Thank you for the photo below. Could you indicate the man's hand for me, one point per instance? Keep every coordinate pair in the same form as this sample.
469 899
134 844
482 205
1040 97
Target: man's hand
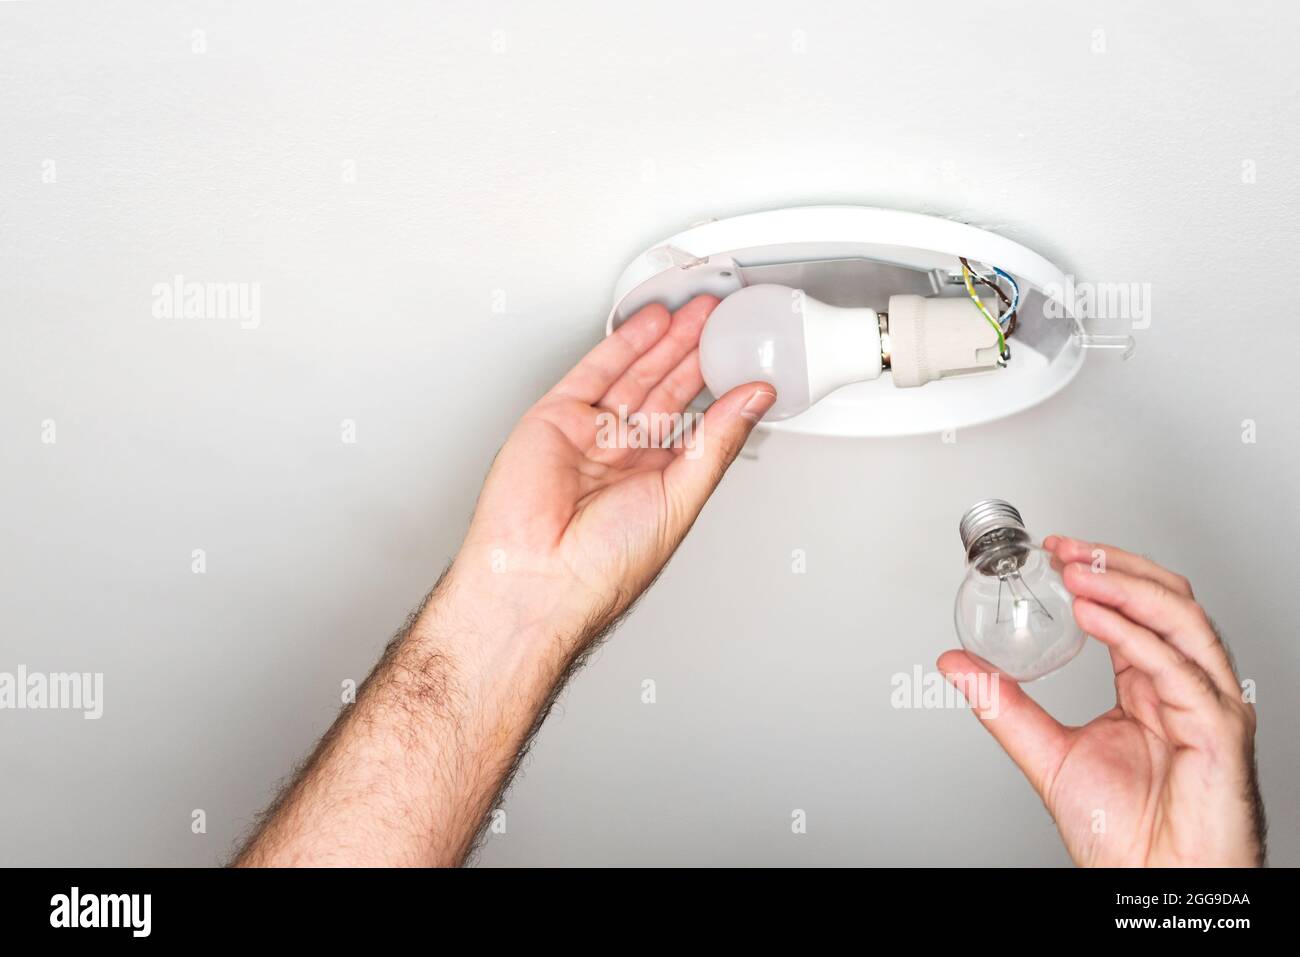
573 523
571 527
1167 776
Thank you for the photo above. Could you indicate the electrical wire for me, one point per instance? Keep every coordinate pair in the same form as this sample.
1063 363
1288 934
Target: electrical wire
1003 351
1013 313
985 280
1005 324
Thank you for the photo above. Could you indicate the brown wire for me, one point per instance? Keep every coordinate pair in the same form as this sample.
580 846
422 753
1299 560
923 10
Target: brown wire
1006 301
992 285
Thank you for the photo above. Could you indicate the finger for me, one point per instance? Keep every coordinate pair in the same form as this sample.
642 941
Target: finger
1172 616
1109 557
1176 679
720 436
1117 660
633 386
1035 740
1066 550
677 389
602 366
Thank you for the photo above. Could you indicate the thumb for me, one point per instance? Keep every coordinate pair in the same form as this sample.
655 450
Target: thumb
1035 740
692 476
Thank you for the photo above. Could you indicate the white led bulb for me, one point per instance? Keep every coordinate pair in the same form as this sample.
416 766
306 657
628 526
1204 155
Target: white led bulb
779 335
808 349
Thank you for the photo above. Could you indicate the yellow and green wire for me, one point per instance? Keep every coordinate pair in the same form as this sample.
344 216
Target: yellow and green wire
1001 324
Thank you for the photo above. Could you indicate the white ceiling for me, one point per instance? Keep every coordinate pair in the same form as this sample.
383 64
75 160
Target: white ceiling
529 174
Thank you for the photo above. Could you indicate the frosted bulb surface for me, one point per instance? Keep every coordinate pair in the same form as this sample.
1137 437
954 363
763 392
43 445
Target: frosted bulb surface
1014 611
780 335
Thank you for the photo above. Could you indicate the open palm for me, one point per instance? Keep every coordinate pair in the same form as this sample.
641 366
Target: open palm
1164 778
583 494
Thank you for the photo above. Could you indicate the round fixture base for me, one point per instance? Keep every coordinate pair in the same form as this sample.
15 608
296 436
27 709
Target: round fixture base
859 256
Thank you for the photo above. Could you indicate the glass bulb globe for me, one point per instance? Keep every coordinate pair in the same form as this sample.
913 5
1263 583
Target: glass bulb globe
1013 609
779 335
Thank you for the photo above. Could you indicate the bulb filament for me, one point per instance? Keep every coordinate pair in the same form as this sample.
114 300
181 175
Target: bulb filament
1023 602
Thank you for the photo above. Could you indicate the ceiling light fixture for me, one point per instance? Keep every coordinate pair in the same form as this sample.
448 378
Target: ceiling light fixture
822 301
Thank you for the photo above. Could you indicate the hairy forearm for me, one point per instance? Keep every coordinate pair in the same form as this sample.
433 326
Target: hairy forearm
407 774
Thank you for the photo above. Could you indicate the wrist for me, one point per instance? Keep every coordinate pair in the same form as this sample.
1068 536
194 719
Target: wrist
494 647
514 592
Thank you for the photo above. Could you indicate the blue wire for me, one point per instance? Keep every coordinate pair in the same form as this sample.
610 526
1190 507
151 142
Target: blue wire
1015 298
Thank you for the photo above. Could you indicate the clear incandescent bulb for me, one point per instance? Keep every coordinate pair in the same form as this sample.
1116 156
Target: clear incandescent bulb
780 335
1012 609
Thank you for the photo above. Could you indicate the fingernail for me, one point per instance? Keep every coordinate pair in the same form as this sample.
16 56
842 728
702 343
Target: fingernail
758 404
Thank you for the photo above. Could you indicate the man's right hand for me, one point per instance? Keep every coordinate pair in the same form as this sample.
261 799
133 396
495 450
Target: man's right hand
1167 776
